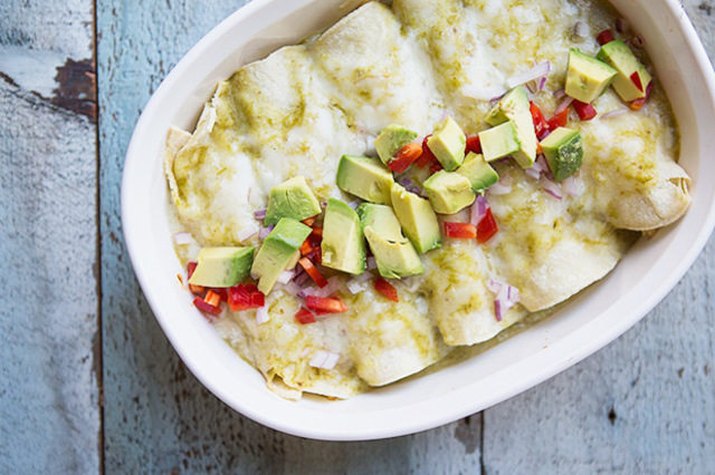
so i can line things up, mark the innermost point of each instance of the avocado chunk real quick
(515, 107)
(447, 143)
(391, 139)
(500, 141)
(449, 192)
(291, 199)
(279, 251)
(222, 266)
(394, 254)
(563, 149)
(343, 246)
(479, 173)
(587, 77)
(417, 218)
(619, 55)
(365, 178)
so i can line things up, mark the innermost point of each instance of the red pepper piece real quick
(305, 316)
(405, 157)
(474, 145)
(559, 120)
(313, 272)
(460, 230)
(584, 111)
(427, 157)
(306, 248)
(206, 307)
(636, 79)
(386, 289)
(325, 305)
(244, 297)
(487, 227)
(309, 221)
(604, 37)
(639, 103)
(541, 126)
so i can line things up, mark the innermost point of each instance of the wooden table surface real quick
(90, 383)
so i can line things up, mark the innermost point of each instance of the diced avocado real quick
(447, 144)
(418, 219)
(394, 254)
(619, 55)
(343, 246)
(279, 251)
(222, 266)
(449, 192)
(515, 107)
(291, 199)
(479, 173)
(365, 178)
(563, 149)
(500, 141)
(391, 139)
(587, 77)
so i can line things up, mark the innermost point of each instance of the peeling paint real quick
(77, 87)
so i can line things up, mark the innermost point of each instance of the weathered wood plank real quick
(158, 418)
(49, 401)
(644, 404)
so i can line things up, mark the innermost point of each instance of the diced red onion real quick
(259, 214)
(540, 70)
(324, 360)
(354, 204)
(501, 187)
(301, 278)
(551, 188)
(262, 315)
(246, 233)
(183, 238)
(292, 288)
(358, 283)
(498, 310)
(581, 30)
(573, 186)
(265, 232)
(409, 185)
(479, 210)
(334, 284)
(533, 172)
(285, 277)
(563, 105)
(560, 94)
(614, 113)
(371, 264)
(506, 296)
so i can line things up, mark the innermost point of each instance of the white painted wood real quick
(49, 395)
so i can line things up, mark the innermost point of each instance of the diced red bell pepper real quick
(306, 248)
(309, 221)
(325, 305)
(584, 111)
(460, 230)
(405, 157)
(244, 297)
(386, 289)
(317, 233)
(313, 272)
(435, 167)
(639, 103)
(195, 289)
(604, 37)
(427, 157)
(636, 79)
(474, 145)
(212, 298)
(305, 316)
(559, 120)
(206, 307)
(190, 268)
(487, 227)
(541, 126)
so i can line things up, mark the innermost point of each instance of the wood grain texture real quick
(49, 399)
(645, 403)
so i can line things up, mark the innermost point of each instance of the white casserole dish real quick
(587, 323)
